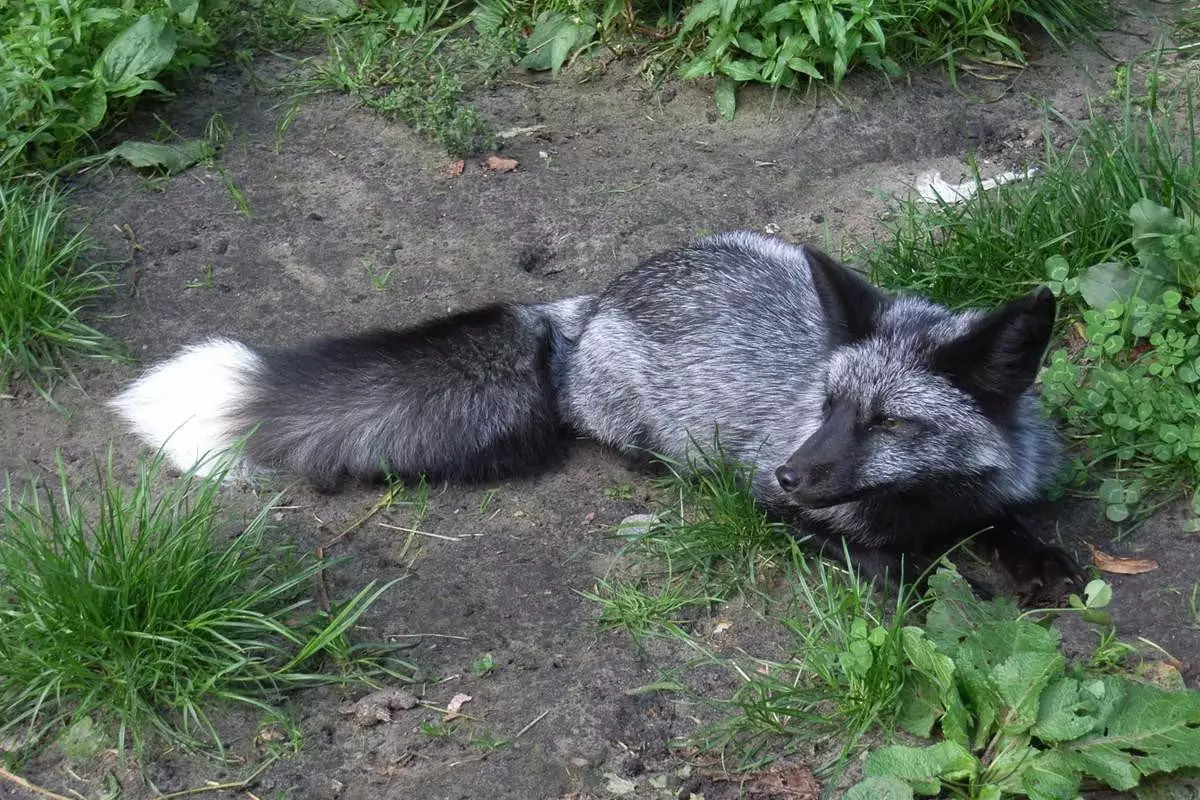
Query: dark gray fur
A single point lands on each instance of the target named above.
(740, 333)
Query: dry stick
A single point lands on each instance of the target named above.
(220, 787)
(536, 720)
(387, 500)
(24, 784)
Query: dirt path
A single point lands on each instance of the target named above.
(607, 176)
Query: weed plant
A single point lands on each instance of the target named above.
(980, 252)
(413, 68)
(46, 285)
(148, 607)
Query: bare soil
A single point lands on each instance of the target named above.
(609, 173)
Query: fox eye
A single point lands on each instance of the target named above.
(827, 407)
(883, 422)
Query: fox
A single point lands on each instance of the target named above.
(882, 425)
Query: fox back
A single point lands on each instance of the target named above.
(886, 419)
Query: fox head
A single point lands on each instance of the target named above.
(915, 397)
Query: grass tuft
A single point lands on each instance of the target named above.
(983, 251)
(715, 529)
(413, 69)
(147, 607)
(46, 286)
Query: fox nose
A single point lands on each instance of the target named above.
(788, 479)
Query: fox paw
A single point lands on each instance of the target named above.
(1043, 574)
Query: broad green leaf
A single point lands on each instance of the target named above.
(727, 9)
(957, 612)
(554, 38)
(751, 45)
(1066, 711)
(1011, 754)
(138, 52)
(1098, 594)
(1148, 217)
(741, 70)
(879, 789)
(725, 96)
(995, 689)
(920, 706)
(923, 768)
(1020, 680)
(697, 69)
(1057, 268)
(1144, 730)
(489, 15)
(1109, 282)
(780, 12)
(185, 9)
(1049, 775)
(91, 102)
(806, 67)
(703, 12)
(170, 157)
(809, 14)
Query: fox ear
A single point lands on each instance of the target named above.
(999, 357)
(851, 304)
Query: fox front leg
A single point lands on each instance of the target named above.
(1043, 574)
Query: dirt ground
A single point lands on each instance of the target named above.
(609, 174)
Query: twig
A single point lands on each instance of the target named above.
(423, 635)
(536, 720)
(419, 533)
(220, 787)
(24, 784)
(386, 501)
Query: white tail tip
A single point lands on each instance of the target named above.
(187, 406)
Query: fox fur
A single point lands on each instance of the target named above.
(888, 422)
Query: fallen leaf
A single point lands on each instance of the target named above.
(514, 132)
(454, 169)
(794, 782)
(722, 626)
(617, 785)
(455, 705)
(500, 164)
(1120, 565)
(1165, 676)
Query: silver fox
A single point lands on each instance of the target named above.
(889, 423)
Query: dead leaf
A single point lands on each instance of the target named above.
(455, 705)
(722, 626)
(455, 168)
(1120, 565)
(500, 164)
(794, 782)
(514, 132)
(1165, 676)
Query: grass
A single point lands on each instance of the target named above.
(151, 608)
(716, 546)
(981, 252)
(413, 69)
(842, 675)
(47, 286)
